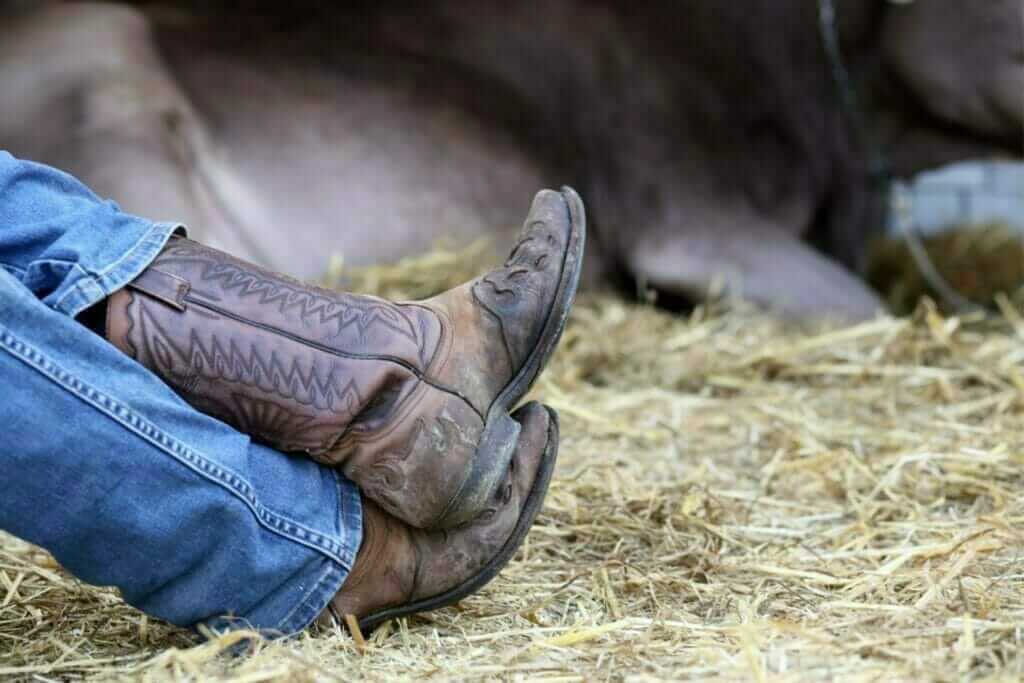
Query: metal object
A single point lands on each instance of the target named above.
(878, 165)
(901, 213)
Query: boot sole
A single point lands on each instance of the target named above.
(497, 443)
(531, 508)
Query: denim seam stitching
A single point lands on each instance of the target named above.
(349, 517)
(87, 279)
(218, 474)
(154, 232)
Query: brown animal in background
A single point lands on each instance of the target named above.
(708, 138)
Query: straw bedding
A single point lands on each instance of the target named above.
(737, 499)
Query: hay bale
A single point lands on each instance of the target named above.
(735, 499)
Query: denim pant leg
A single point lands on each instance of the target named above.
(106, 467)
(66, 245)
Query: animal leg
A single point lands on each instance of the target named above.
(766, 266)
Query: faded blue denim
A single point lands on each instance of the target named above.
(106, 467)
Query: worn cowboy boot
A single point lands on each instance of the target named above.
(401, 571)
(410, 400)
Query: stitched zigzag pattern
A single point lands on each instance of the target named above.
(360, 312)
(324, 388)
(245, 364)
(291, 297)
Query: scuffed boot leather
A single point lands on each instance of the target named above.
(401, 571)
(410, 400)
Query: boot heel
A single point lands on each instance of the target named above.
(490, 465)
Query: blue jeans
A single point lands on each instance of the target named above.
(107, 468)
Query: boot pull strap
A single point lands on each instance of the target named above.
(170, 289)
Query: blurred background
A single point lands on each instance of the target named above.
(818, 158)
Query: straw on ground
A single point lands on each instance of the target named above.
(736, 500)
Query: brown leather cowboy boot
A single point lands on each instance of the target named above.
(401, 571)
(411, 400)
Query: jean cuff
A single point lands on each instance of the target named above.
(90, 289)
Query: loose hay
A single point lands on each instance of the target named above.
(735, 500)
